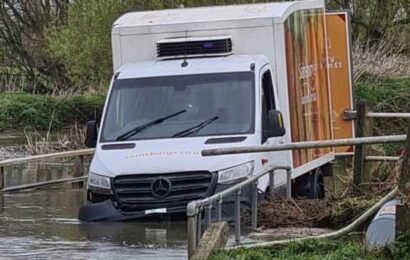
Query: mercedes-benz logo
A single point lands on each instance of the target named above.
(160, 187)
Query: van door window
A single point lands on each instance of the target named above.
(268, 100)
(268, 90)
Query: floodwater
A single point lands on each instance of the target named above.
(43, 224)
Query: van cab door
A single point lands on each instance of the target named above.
(269, 101)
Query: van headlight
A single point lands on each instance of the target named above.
(232, 174)
(100, 181)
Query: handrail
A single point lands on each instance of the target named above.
(35, 158)
(332, 235)
(40, 157)
(352, 114)
(194, 208)
(43, 183)
(306, 145)
(387, 115)
(218, 196)
(382, 158)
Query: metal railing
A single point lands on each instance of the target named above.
(364, 127)
(387, 115)
(352, 114)
(78, 174)
(196, 208)
(306, 145)
(382, 158)
(36, 158)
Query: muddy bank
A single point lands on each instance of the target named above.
(20, 144)
(12, 145)
(10, 152)
(305, 213)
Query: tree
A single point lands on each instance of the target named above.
(375, 20)
(83, 42)
(22, 24)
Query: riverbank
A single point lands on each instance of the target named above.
(342, 248)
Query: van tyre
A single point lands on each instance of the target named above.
(317, 190)
(310, 185)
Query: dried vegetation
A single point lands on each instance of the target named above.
(383, 60)
(70, 139)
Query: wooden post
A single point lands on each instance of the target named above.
(78, 170)
(363, 129)
(403, 210)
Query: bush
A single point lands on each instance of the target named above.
(19, 110)
(386, 95)
(401, 249)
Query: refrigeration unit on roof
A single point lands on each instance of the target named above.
(181, 47)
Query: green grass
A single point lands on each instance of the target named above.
(385, 95)
(41, 112)
(318, 249)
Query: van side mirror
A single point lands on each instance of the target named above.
(275, 125)
(91, 134)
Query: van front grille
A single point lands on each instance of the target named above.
(151, 191)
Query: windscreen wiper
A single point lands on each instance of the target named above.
(141, 128)
(195, 128)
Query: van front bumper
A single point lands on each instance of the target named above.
(106, 207)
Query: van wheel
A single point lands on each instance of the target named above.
(318, 185)
(310, 185)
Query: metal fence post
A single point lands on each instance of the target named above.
(208, 214)
(2, 183)
(271, 183)
(255, 204)
(238, 216)
(192, 218)
(198, 226)
(219, 210)
(288, 184)
(2, 177)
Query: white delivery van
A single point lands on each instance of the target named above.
(197, 78)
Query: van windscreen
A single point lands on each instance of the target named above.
(180, 106)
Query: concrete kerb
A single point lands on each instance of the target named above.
(215, 236)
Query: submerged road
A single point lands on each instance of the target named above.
(43, 225)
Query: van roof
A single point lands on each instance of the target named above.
(233, 63)
(276, 11)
